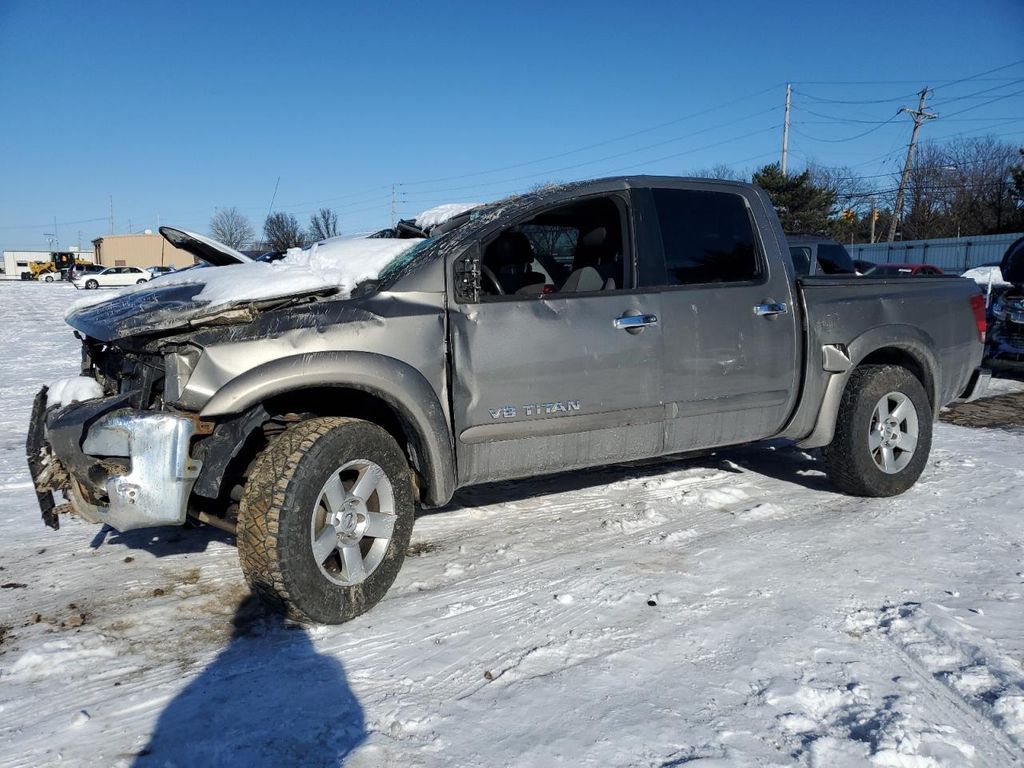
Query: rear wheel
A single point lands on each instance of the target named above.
(91, 284)
(48, 279)
(883, 433)
(325, 519)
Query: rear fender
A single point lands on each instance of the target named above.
(902, 339)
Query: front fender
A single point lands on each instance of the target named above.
(398, 384)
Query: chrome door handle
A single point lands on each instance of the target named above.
(634, 322)
(770, 310)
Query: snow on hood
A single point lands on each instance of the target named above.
(337, 264)
(442, 213)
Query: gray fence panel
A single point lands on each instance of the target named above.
(951, 254)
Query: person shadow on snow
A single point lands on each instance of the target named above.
(268, 699)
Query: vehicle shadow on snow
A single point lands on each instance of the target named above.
(268, 699)
(163, 542)
(780, 460)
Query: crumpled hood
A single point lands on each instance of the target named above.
(160, 309)
(236, 292)
(1013, 263)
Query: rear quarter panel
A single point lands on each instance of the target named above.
(928, 317)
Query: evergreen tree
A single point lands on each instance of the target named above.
(802, 205)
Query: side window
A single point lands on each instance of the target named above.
(575, 248)
(801, 259)
(834, 259)
(707, 237)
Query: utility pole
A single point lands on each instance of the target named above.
(785, 129)
(111, 214)
(919, 116)
(393, 204)
(874, 217)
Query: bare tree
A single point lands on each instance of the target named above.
(231, 227)
(323, 224)
(282, 231)
(719, 171)
(962, 187)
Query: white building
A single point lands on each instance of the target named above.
(16, 262)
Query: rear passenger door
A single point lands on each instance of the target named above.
(730, 356)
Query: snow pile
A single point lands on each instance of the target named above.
(72, 389)
(341, 263)
(982, 275)
(442, 213)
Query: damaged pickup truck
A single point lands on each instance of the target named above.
(309, 404)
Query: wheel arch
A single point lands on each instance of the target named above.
(363, 385)
(906, 346)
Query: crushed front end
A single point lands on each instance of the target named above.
(122, 459)
(1006, 331)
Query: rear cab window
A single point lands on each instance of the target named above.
(707, 237)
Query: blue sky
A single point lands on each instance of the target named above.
(175, 108)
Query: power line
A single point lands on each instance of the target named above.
(977, 76)
(847, 138)
(596, 144)
(976, 94)
(985, 103)
(812, 97)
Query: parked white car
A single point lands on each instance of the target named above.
(112, 276)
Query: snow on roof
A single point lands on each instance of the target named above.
(442, 213)
(340, 262)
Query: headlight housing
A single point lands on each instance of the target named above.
(178, 368)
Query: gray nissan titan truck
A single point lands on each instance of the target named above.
(581, 325)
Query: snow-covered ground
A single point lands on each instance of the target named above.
(730, 610)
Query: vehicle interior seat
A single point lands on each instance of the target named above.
(599, 252)
(510, 257)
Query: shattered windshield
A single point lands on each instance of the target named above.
(404, 260)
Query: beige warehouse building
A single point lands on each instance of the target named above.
(148, 249)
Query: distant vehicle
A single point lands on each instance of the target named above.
(111, 276)
(157, 271)
(1005, 340)
(903, 270)
(82, 268)
(817, 255)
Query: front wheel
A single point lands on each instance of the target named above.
(91, 285)
(325, 519)
(883, 433)
(48, 279)
(140, 282)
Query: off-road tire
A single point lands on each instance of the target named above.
(847, 459)
(275, 512)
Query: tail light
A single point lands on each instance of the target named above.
(978, 307)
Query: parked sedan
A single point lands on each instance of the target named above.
(112, 276)
(903, 270)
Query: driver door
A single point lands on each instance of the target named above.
(553, 379)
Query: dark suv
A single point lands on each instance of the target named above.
(817, 255)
